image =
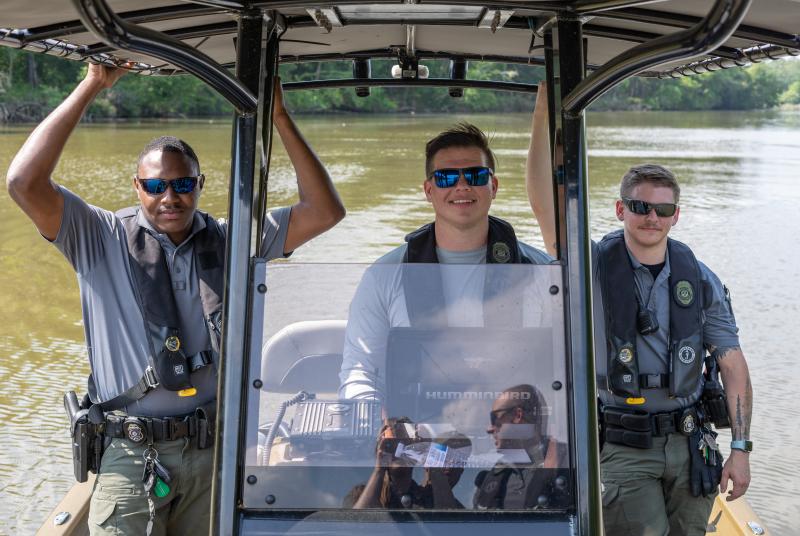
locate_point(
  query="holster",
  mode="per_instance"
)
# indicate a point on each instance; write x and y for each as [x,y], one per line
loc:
[87,442]
[206,424]
[713,401]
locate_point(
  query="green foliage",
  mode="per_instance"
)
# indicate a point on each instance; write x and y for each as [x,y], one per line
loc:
[754,87]
[792,94]
[33,84]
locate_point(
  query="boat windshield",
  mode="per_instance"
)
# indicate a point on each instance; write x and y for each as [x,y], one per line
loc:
[408,386]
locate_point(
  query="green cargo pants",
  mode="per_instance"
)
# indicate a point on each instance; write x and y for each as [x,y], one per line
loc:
[646,492]
[119,503]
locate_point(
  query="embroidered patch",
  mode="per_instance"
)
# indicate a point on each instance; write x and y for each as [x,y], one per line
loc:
[501,253]
[173,343]
[684,293]
[686,355]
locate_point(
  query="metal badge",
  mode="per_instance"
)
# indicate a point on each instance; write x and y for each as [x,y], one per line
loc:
[686,354]
[501,253]
[688,424]
[134,430]
[625,355]
[173,343]
[684,293]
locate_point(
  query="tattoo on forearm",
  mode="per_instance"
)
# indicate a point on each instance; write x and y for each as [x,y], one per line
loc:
[744,410]
[739,423]
[722,352]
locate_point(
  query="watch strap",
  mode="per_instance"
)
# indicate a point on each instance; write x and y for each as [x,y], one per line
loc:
[742,444]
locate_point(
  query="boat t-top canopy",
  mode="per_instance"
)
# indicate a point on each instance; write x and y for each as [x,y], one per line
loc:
[409,31]
[586,47]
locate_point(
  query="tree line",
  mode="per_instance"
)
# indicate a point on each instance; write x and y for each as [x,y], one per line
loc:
[31,85]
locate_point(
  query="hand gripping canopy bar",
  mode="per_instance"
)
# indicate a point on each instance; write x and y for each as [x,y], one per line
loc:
[98,17]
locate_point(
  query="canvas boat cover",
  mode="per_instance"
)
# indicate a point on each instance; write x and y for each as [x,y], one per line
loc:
[472,30]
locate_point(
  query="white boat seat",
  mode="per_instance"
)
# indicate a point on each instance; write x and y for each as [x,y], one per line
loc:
[304,356]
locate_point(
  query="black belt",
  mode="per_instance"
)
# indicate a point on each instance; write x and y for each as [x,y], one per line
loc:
[646,381]
[638,429]
[139,429]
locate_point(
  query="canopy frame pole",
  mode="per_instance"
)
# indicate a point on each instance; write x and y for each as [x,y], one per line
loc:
[569,166]
[99,19]
[255,62]
[412,82]
[705,36]
[266,96]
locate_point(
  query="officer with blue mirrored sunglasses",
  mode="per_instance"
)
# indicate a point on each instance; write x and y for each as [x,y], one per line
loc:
[460,184]
[151,284]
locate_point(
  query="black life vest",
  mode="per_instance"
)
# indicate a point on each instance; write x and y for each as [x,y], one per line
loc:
[621,306]
[168,366]
[542,486]
[425,296]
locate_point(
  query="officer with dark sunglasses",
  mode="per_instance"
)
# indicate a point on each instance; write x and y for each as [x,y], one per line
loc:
[518,426]
[660,317]
[151,284]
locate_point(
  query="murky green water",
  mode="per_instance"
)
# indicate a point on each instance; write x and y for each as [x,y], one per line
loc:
[740,199]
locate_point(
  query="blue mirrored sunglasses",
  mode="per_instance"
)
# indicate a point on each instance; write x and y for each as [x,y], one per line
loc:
[182,185]
[475,176]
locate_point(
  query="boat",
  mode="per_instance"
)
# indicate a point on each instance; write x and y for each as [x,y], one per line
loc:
[273,475]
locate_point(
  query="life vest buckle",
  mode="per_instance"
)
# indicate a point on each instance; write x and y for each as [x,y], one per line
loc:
[150,377]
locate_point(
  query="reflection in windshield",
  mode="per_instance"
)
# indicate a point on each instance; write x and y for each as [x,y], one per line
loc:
[464,411]
[524,476]
[399,450]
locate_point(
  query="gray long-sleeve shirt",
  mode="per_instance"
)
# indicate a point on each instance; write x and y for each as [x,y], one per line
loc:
[379,305]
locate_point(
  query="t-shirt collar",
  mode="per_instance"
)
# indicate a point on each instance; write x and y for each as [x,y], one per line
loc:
[198,224]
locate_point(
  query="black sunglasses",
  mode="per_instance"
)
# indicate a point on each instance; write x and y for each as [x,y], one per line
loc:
[182,185]
[498,414]
[475,176]
[643,208]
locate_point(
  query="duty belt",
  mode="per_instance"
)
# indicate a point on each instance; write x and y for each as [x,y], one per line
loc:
[140,429]
[636,429]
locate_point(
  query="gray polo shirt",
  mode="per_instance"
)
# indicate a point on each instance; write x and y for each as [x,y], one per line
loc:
[719,330]
[93,241]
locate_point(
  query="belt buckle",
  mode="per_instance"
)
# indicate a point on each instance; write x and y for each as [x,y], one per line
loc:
[653,381]
[663,424]
[134,430]
[177,427]
[170,428]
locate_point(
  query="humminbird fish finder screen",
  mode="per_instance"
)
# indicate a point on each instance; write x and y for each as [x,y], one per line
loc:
[408,387]
[450,375]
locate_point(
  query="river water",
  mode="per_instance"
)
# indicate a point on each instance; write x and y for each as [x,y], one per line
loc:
[739,213]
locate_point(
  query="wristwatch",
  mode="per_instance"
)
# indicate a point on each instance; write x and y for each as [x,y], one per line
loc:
[742,444]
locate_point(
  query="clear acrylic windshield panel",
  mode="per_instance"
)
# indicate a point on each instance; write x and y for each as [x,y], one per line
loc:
[408,386]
